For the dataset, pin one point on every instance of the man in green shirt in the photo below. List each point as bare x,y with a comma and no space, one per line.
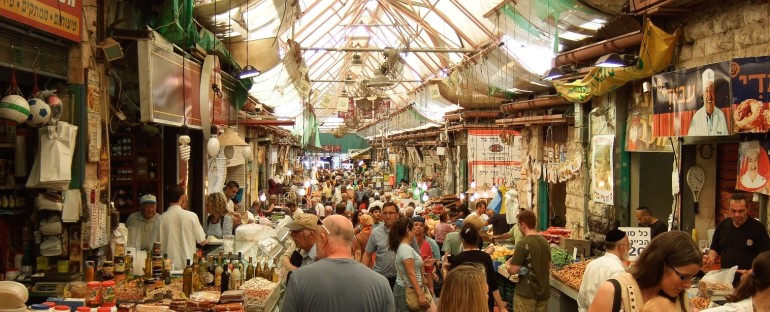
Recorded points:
532,261
514,235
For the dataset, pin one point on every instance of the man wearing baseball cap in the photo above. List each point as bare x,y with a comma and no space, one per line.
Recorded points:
303,233
142,224
709,119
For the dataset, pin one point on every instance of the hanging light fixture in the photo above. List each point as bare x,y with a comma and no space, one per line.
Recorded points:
249,71
614,60
288,173
425,197
356,64
473,184
302,192
262,197
416,191
213,146
247,152
229,139
184,131
558,72
462,196
184,143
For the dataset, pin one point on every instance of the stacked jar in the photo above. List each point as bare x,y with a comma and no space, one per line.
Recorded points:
94,297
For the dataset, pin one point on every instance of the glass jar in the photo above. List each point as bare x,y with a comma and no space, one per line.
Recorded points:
78,289
108,292
149,286
94,297
39,308
108,270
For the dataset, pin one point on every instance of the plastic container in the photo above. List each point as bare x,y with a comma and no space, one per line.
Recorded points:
39,307
78,289
108,292
83,309
104,309
12,295
94,297
61,308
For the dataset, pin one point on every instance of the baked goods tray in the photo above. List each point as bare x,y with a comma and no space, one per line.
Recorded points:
270,303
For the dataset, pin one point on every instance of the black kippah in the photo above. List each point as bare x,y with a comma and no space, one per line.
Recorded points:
614,236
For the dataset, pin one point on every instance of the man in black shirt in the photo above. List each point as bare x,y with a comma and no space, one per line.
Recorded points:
739,238
499,224
646,218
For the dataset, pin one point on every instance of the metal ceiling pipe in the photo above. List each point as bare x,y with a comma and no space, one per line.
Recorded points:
350,49
480,114
266,122
595,50
532,104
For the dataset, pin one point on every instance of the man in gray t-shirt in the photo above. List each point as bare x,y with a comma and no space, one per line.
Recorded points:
336,282
378,244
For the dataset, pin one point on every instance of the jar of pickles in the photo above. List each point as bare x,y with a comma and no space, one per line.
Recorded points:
108,292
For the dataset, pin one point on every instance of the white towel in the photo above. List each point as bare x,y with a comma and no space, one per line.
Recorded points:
51,226
72,206
51,246
44,203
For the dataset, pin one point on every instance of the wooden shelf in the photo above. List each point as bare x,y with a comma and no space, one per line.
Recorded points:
12,212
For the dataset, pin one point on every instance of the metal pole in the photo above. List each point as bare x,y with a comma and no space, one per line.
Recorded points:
353,81
418,50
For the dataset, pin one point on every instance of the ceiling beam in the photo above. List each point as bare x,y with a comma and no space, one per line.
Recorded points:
448,21
473,18
496,9
414,50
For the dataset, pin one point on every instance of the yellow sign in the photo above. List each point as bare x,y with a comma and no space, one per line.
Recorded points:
654,56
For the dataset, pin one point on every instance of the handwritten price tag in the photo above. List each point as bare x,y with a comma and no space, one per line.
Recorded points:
639,237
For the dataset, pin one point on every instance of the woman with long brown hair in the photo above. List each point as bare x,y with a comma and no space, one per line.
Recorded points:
658,279
464,289
219,222
409,273
753,293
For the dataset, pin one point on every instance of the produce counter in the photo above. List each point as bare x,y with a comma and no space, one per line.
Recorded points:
565,283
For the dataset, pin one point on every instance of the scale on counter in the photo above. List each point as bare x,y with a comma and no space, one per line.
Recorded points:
52,284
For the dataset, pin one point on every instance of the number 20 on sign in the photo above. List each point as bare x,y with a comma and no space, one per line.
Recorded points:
639,238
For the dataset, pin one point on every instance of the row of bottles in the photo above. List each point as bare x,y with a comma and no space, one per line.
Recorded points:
224,273
11,202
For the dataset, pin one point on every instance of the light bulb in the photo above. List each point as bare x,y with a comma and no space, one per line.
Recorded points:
307,184
473,184
416,191
425,186
262,197
485,195
213,146
494,189
288,172
302,192
462,196
184,147
425,197
247,153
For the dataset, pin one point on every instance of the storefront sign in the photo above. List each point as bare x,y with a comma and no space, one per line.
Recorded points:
639,238
693,102
332,148
58,17
751,96
601,169
494,156
753,167
639,127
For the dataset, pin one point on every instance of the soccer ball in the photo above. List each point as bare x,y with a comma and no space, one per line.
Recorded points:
13,109
40,113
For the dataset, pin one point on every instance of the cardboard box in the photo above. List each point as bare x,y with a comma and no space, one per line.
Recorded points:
583,246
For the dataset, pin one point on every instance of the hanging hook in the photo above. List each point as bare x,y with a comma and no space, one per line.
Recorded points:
34,66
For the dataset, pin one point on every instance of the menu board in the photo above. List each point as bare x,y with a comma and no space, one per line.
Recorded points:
494,156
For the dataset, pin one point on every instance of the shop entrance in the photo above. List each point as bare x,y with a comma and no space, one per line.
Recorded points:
654,184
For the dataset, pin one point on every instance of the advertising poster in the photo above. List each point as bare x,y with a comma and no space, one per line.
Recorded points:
753,167
639,127
750,94
493,158
693,102
601,169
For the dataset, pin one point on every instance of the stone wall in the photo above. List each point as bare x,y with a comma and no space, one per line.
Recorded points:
602,121
723,30
719,31
575,200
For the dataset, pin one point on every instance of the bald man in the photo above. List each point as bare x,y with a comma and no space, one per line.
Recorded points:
317,287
